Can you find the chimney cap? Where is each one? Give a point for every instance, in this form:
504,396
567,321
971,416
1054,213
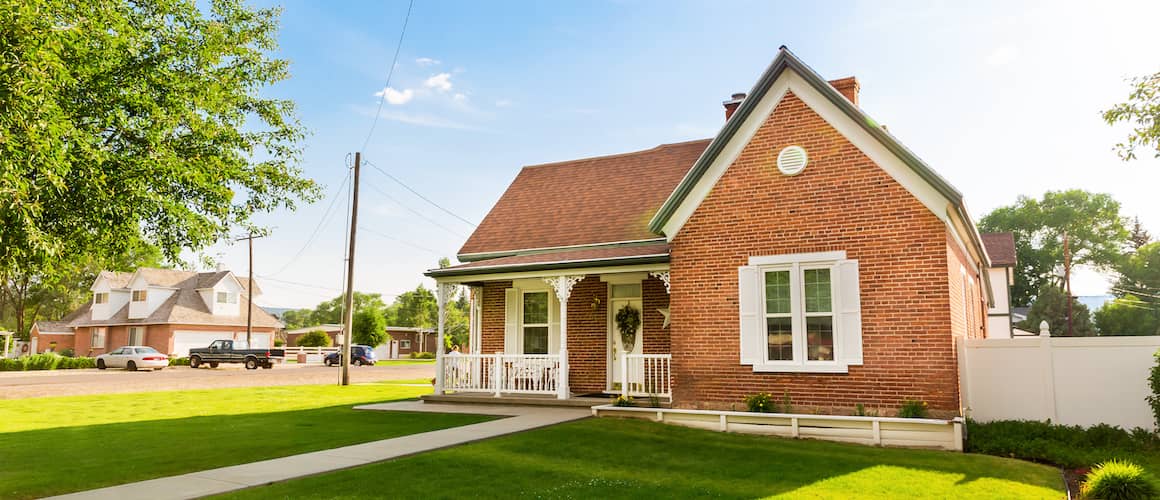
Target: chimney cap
736,98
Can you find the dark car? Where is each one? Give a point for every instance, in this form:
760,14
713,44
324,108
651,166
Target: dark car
360,355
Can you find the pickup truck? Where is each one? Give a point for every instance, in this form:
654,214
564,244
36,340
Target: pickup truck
223,351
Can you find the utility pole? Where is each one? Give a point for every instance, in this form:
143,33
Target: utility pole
348,313
249,293
1067,279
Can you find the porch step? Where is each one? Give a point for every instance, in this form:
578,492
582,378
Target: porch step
516,399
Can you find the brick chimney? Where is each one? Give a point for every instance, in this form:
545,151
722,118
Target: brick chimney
732,104
848,87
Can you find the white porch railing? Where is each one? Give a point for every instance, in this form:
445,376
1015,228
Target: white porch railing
502,373
647,375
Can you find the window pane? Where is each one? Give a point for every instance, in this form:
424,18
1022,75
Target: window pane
536,308
820,338
777,292
817,290
622,291
779,338
536,340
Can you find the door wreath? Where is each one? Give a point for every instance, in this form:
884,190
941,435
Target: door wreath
628,321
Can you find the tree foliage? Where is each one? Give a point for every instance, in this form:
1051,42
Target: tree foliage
1092,221
330,312
123,121
314,338
1142,112
1127,315
1137,287
1137,235
1051,306
370,328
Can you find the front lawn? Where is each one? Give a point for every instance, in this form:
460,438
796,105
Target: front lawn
612,458
64,444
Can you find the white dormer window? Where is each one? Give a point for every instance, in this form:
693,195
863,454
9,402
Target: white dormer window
227,298
101,298
139,295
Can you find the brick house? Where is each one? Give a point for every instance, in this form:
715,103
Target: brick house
169,310
802,251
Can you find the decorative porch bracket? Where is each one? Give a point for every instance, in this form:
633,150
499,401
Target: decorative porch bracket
443,292
562,285
663,276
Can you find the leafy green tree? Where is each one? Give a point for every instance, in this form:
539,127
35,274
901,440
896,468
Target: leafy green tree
1137,235
370,328
297,318
1142,113
1127,315
417,308
1051,305
315,338
1092,222
331,310
1138,275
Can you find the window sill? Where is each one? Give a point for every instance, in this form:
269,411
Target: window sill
796,368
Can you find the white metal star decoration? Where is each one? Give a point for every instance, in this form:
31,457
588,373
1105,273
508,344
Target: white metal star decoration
664,312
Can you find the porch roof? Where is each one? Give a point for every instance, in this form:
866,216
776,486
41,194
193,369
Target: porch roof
650,253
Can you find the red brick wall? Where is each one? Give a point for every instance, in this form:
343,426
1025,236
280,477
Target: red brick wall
841,201
44,342
654,296
588,336
956,262
491,333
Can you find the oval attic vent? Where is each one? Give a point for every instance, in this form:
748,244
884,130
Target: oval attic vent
792,160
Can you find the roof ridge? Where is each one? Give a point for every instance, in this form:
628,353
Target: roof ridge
617,155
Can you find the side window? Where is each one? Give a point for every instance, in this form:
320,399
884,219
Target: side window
535,323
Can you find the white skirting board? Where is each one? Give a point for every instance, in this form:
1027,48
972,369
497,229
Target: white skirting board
874,431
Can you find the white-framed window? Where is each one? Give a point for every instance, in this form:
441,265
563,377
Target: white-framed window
136,335
97,338
227,298
800,313
405,344
139,296
534,324
101,298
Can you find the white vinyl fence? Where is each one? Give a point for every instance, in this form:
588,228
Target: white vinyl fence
1069,380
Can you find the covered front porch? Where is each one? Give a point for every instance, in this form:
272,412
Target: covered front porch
580,334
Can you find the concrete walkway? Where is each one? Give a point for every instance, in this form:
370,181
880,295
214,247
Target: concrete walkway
236,477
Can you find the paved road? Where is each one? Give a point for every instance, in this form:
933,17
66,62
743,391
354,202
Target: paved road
17,385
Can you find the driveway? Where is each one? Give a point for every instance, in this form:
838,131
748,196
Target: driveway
18,385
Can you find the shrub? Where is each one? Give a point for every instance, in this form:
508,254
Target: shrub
68,352
1064,445
76,363
179,361
761,402
422,355
316,338
861,411
1118,480
622,400
1154,384
279,342
12,365
44,361
912,409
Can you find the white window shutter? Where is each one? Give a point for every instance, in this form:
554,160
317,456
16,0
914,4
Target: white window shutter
553,323
511,321
749,303
850,312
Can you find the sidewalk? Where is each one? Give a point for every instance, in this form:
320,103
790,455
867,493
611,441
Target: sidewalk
236,477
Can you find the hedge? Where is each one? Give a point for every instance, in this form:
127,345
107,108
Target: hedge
46,361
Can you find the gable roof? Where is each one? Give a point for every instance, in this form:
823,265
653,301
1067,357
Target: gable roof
647,253
1001,248
592,201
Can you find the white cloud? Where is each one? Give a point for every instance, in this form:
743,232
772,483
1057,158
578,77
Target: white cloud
459,97
440,82
395,97
1002,56
427,61
503,103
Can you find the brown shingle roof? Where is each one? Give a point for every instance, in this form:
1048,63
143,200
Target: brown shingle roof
1000,248
582,202
587,255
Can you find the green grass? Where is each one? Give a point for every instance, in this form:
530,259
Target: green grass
58,445
611,458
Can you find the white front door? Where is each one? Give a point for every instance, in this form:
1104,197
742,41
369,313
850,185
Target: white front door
622,296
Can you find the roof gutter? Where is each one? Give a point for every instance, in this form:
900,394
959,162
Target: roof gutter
547,266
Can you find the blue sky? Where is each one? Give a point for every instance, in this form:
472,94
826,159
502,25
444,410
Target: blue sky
1001,99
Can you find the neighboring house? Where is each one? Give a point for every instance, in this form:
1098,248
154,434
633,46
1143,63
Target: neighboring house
169,310
802,251
1001,248
404,339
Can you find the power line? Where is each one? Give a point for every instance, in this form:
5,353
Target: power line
416,212
317,228
405,242
390,73
416,193
1134,292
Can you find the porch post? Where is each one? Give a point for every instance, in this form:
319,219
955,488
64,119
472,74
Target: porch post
562,285
442,291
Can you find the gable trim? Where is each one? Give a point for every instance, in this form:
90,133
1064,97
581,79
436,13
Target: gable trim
472,257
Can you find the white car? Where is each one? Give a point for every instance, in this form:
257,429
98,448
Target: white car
132,358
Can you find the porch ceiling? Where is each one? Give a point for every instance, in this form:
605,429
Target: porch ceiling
653,253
